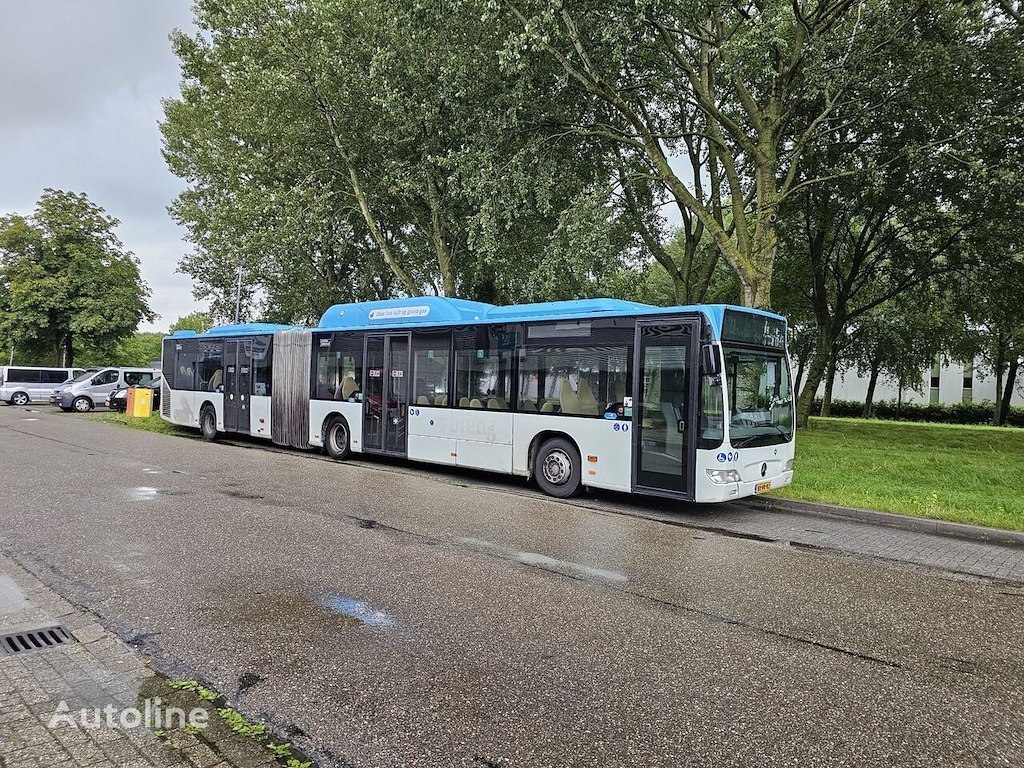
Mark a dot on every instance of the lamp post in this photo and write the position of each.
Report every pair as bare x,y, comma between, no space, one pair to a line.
238,295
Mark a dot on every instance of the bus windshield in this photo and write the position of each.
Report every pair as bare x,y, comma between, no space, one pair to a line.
760,397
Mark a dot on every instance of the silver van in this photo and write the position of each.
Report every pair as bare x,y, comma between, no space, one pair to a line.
92,388
22,384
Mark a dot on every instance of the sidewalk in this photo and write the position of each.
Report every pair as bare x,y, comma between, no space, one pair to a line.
92,669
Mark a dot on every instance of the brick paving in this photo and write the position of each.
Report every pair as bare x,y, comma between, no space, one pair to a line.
96,670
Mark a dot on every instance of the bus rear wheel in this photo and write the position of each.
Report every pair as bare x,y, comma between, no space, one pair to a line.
208,423
336,439
557,468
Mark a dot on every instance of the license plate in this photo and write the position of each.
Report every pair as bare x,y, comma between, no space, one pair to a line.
762,487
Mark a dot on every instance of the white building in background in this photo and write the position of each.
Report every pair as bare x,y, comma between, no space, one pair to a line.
947,383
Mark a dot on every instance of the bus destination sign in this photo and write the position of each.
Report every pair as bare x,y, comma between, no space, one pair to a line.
754,329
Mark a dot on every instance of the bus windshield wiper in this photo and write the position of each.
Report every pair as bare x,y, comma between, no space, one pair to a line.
745,441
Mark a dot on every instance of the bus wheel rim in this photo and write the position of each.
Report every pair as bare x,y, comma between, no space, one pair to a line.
338,437
557,467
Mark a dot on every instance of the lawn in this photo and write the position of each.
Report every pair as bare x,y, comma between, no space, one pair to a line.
153,424
944,471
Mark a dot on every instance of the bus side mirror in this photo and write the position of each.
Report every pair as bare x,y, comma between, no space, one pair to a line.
710,360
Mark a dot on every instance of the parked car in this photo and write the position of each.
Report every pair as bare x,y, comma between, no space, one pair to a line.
23,384
87,391
118,399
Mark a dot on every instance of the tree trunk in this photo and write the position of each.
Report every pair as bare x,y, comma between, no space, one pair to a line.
815,372
801,363
1007,393
445,261
830,380
869,398
69,350
999,366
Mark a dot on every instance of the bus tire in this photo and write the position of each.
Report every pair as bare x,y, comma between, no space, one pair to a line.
557,468
337,441
208,423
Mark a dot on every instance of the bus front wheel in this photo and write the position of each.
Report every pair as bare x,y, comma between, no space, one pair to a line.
557,468
336,439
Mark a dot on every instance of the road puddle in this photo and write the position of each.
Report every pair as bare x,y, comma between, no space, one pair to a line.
359,610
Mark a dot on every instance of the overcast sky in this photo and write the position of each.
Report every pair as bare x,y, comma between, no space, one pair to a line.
82,84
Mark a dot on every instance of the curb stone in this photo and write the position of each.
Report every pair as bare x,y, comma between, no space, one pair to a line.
891,520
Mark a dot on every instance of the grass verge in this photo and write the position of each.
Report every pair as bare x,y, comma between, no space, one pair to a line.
153,424
942,471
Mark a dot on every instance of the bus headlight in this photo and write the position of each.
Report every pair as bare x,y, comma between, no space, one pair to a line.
722,476
788,466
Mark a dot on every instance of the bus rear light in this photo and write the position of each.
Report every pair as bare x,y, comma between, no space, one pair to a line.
722,476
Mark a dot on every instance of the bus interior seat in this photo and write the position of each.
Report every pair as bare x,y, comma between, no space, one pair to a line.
422,400
588,403
475,403
216,380
348,387
548,407
528,405
463,402
441,400
569,401
497,404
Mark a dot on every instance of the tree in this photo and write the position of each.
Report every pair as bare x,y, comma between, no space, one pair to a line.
68,281
346,150
194,321
717,102
907,187
899,339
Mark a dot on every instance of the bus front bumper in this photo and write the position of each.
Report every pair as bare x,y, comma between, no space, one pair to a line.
731,491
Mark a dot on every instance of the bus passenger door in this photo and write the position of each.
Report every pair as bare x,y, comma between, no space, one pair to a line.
237,384
386,394
397,413
665,408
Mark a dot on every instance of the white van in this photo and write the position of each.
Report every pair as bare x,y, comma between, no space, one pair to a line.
92,387
22,384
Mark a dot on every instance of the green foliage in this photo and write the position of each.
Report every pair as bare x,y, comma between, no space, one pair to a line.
954,413
196,321
346,150
68,282
194,686
238,723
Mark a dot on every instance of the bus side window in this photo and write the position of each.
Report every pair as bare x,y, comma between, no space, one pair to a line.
431,353
483,368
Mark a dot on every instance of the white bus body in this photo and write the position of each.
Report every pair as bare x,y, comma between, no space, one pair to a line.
693,403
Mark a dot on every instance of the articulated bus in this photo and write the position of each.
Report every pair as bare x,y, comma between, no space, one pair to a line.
692,403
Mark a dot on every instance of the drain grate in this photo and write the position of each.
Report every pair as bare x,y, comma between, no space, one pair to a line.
28,640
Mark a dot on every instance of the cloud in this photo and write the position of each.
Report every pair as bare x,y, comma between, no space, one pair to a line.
83,83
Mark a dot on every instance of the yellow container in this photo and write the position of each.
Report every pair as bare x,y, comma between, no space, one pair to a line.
140,402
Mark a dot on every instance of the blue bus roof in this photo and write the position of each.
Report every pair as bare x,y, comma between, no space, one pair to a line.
242,329
427,311
438,310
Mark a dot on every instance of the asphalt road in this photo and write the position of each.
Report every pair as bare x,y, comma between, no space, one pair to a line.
392,618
